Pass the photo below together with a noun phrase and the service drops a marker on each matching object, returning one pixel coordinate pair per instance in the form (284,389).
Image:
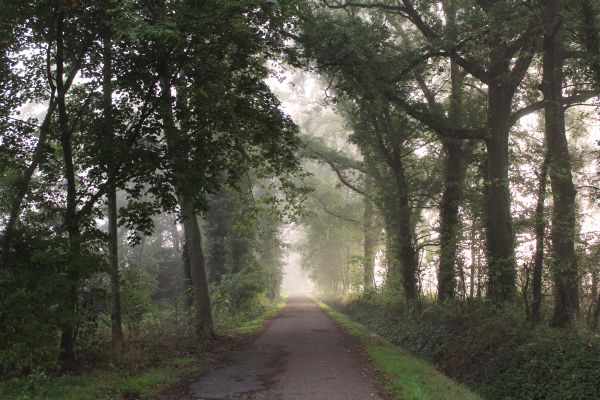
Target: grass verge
(406,377)
(254,326)
(130,382)
(101,384)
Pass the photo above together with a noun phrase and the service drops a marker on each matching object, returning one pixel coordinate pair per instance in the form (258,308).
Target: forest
(169,168)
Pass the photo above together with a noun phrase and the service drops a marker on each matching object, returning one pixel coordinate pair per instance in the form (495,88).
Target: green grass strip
(407,377)
(101,384)
(255,325)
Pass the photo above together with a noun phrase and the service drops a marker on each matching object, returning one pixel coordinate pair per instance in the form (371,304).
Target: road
(301,355)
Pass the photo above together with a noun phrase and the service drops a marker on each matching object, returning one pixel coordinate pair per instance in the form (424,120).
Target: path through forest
(301,355)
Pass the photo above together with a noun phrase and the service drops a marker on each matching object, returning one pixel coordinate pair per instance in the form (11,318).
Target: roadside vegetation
(149,366)
(438,161)
(454,153)
(494,352)
(406,377)
(146,172)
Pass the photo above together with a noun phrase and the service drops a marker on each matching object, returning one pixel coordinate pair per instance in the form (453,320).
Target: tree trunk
(201,296)
(66,355)
(67,343)
(593,295)
(370,239)
(393,278)
(175,236)
(404,235)
(400,219)
(449,220)
(540,235)
(500,240)
(473,266)
(113,248)
(193,237)
(566,303)
(596,315)
(453,179)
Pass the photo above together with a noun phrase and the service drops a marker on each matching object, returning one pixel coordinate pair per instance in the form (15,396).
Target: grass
(255,325)
(106,383)
(406,377)
(101,384)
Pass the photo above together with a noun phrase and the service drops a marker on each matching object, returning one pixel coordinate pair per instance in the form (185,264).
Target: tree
(540,236)
(107,100)
(369,236)
(559,168)
(218,129)
(44,34)
(107,113)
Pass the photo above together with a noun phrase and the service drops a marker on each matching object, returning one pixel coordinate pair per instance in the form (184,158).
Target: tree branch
(567,102)
(341,176)
(333,214)
(435,122)
(380,6)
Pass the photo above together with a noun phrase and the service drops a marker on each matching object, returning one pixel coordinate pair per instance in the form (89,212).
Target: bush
(495,351)
(553,365)
(239,295)
(136,301)
(28,311)
(32,287)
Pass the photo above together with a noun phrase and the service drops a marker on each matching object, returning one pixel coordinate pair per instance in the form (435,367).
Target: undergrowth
(493,350)
(406,377)
(150,363)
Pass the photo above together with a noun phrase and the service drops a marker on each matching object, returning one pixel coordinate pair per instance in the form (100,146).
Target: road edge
(419,380)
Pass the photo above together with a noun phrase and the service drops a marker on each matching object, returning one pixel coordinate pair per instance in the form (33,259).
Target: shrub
(31,290)
(494,350)
(239,295)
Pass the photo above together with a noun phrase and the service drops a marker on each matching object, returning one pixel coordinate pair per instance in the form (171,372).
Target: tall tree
(454,171)
(540,236)
(113,252)
(501,65)
(193,236)
(218,129)
(564,261)
(71,218)
(43,34)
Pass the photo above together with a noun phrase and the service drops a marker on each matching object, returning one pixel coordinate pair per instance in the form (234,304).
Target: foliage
(551,365)
(152,364)
(100,384)
(407,377)
(495,351)
(136,301)
(80,115)
(29,315)
(239,293)
(33,290)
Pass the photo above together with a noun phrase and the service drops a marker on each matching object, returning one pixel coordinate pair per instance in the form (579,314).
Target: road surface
(300,356)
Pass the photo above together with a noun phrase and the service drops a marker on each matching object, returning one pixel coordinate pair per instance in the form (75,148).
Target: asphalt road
(301,355)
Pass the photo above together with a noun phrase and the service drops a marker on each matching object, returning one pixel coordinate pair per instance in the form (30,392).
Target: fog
(295,279)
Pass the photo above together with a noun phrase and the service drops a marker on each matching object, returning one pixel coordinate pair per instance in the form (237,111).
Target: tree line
(434,94)
(118,116)
(160,104)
